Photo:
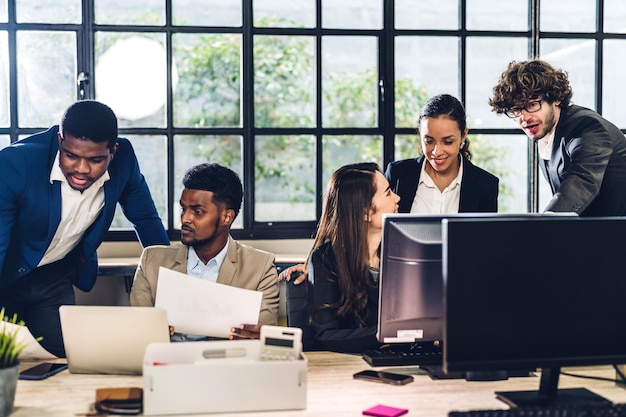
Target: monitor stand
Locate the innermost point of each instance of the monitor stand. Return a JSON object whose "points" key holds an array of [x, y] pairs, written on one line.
{"points": [[549, 394]]}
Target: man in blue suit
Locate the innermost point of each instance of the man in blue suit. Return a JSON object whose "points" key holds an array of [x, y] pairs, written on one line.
{"points": [[58, 193]]}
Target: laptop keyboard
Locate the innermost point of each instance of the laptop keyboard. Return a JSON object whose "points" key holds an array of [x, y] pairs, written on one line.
{"points": [[421, 353]]}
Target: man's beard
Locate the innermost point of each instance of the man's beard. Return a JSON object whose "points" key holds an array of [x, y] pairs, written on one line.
{"points": [[202, 242]]}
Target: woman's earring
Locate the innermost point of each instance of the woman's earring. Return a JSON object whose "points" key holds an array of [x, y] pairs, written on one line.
{"points": [[462, 144]]}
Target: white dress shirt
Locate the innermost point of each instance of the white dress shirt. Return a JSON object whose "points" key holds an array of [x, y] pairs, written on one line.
{"points": [[208, 272], [78, 211], [429, 200]]}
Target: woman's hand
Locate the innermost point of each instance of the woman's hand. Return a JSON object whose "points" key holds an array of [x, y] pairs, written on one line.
{"points": [[296, 272]]}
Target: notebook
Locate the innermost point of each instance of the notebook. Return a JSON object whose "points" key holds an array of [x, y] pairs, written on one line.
{"points": [[110, 339]]}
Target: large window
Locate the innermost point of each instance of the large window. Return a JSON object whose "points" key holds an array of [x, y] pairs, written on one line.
{"points": [[286, 91]]}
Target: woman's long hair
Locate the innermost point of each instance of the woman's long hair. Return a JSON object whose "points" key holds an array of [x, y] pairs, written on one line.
{"points": [[347, 203]]}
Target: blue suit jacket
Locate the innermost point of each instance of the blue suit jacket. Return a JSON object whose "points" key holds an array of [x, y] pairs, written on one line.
{"points": [[30, 207], [479, 188]]}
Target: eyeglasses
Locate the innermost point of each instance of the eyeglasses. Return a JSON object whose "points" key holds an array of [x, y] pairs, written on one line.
{"points": [[530, 107]]}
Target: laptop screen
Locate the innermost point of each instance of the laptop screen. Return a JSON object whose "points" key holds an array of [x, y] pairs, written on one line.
{"points": [[110, 339]]}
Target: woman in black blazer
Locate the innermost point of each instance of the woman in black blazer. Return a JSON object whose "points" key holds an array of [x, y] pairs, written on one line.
{"points": [[448, 182]]}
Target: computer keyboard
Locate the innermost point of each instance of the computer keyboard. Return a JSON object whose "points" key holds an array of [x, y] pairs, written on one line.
{"points": [[425, 353], [584, 410]]}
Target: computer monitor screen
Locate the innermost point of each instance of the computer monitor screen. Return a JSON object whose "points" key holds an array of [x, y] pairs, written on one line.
{"points": [[541, 292], [410, 305]]}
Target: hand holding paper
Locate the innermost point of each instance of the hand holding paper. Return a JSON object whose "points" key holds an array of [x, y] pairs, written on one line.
{"points": [[201, 307]]}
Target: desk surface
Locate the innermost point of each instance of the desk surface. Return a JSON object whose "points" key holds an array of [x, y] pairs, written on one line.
{"points": [[331, 391]]}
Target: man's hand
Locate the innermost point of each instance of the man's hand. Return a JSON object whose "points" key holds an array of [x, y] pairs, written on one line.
{"points": [[245, 331]]}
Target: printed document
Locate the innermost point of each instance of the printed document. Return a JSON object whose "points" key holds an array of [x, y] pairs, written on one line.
{"points": [[202, 307]]}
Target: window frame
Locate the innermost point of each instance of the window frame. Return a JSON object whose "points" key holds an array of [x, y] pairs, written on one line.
{"points": [[85, 35]]}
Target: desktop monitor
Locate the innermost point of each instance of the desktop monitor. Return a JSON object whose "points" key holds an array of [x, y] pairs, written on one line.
{"points": [[410, 307], [542, 292]]}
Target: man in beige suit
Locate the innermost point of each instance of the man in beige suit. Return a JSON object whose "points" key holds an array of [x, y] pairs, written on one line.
{"points": [[209, 204]]}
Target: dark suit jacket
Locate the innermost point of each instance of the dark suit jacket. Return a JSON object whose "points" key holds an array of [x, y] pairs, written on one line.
{"points": [[587, 167], [479, 188], [243, 267], [30, 207]]}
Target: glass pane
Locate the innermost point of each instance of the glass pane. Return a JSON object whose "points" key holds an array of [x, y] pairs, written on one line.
{"points": [[208, 92], [136, 12], [206, 12], [568, 16], [151, 153], [497, 15], [131, 77], [350, 81], [4, 15], [419, 79], [5, 141], [487, 58], [406, 147], [44, 94], [613, 87], [348, 149], [441, 14], [352, 14], [577, 58], [614, 12], [193, 150], [5, 93], [284, 13], [284, 178], [46, 11], [284, 81], [505, 156]]}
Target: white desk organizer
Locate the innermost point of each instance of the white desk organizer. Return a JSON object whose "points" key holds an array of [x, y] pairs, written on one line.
{"points": [[219, 376]]}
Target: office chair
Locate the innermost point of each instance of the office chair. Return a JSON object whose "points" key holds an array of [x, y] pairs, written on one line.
{"points": [[298, 299]]}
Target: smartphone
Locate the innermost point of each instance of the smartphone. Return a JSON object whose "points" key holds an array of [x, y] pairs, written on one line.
{"points": [[384, 377], [42, 371]]}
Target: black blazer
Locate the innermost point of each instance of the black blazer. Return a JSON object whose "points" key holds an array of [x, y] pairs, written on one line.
{"points": [[338, 334], [587, 167], [479, 188]]}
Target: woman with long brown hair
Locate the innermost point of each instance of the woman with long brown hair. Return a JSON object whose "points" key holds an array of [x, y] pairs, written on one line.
{"points": [[344, 261]]}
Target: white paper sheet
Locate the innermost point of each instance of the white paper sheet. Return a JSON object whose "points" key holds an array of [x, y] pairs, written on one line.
{"points": [[201, 307], [33, 349]]}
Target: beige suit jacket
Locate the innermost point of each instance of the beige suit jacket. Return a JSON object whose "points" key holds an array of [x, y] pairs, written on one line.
{"points": [[243, 267]]}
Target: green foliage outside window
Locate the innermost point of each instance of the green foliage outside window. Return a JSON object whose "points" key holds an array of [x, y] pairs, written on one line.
{"points": [[210, 84]]}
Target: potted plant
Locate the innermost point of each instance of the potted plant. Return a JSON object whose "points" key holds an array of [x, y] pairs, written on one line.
{"points": [[10, 348]]}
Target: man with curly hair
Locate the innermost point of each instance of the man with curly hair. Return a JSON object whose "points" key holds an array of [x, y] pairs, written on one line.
{"points": [[581, 154]]}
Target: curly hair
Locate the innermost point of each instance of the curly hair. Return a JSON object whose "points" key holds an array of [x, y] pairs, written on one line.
{"points": [[223, 182], [92, 120], [524, 81]]}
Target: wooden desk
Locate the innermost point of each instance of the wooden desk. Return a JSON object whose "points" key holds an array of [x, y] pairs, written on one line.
{"points": [[331, 391]]}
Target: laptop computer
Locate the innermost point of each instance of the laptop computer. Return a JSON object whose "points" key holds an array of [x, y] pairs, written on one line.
{"points": [[110, 339]]}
